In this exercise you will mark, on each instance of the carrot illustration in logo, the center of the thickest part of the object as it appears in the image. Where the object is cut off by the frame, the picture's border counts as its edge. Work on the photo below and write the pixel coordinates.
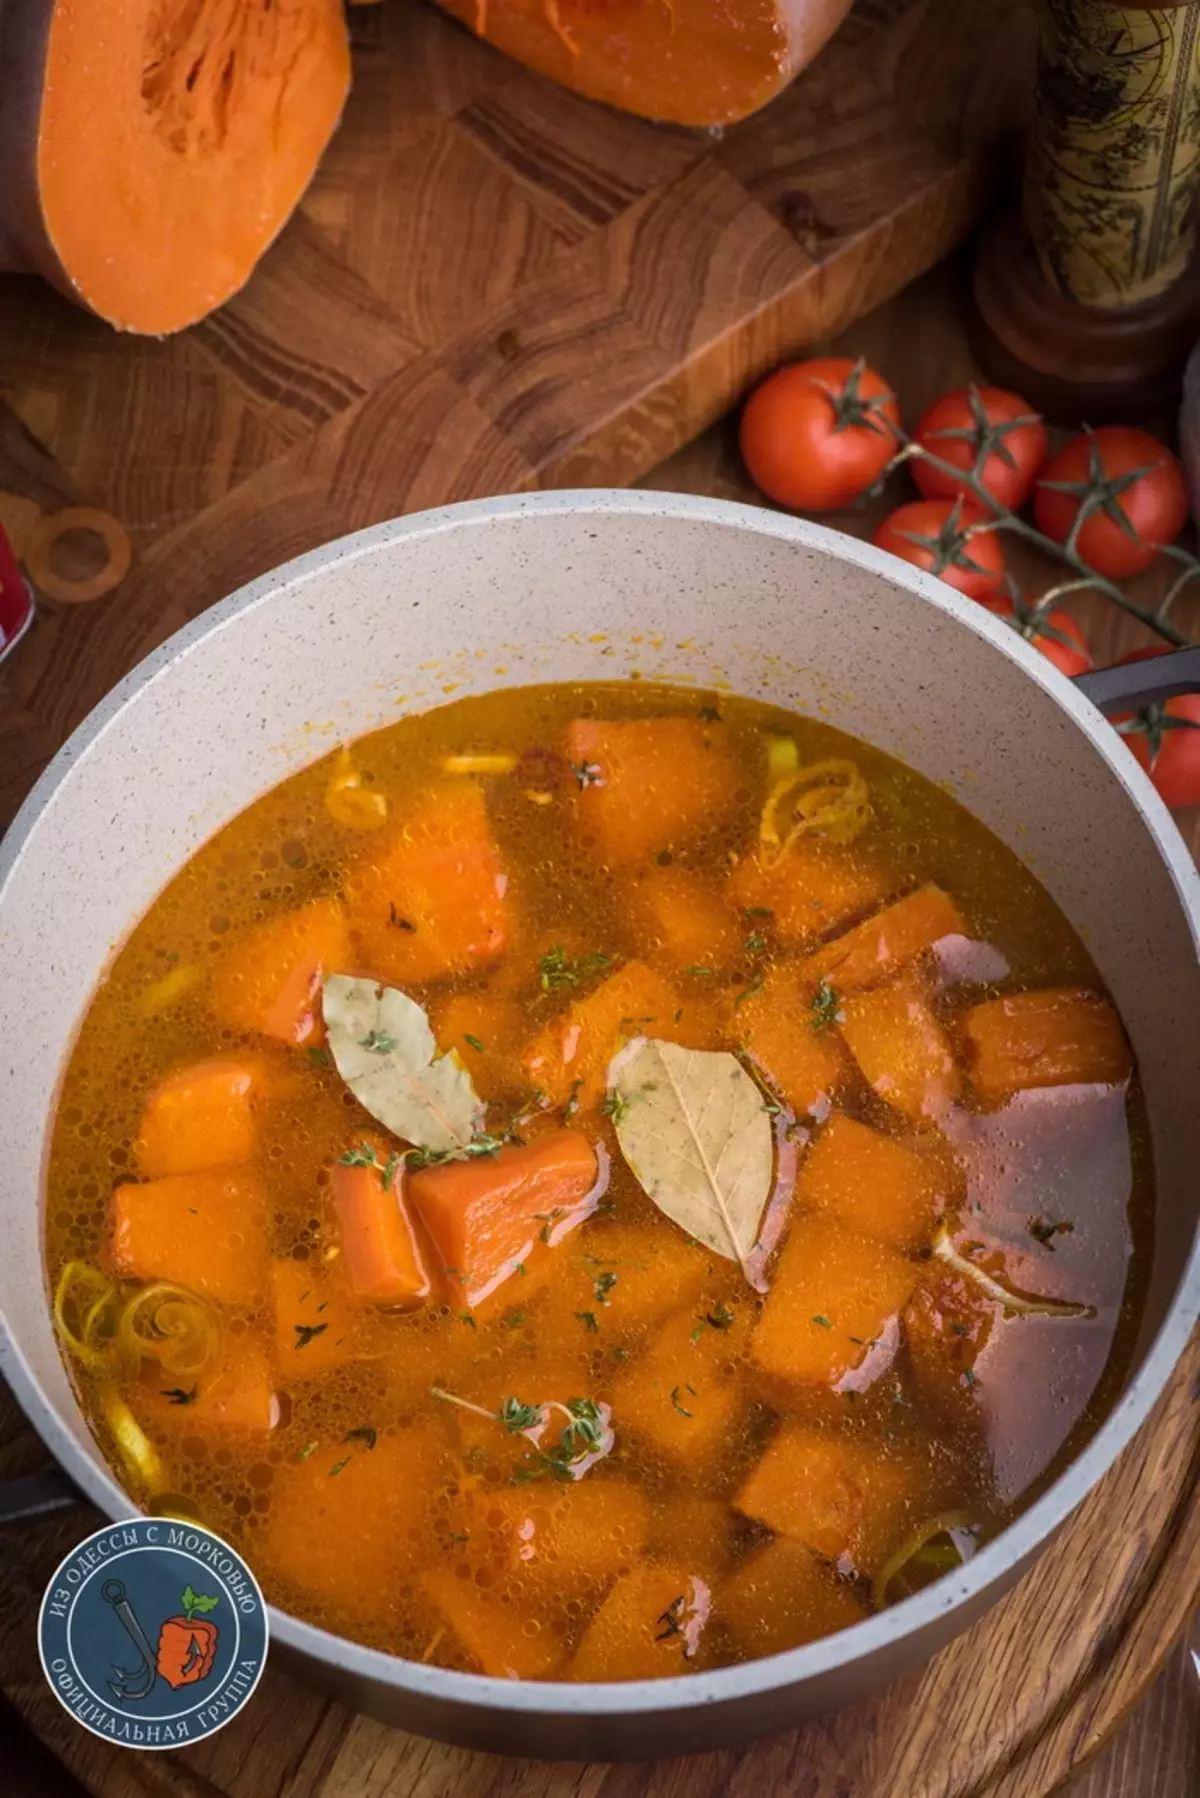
(186, 1647)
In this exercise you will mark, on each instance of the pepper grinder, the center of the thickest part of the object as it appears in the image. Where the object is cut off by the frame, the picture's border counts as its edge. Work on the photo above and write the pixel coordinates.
(1088, 294)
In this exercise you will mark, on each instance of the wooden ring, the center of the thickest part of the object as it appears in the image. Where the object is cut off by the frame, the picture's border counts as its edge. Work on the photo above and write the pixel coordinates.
(77, 518)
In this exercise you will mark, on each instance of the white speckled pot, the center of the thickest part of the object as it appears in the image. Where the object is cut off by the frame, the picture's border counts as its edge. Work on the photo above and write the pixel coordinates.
(598, 585)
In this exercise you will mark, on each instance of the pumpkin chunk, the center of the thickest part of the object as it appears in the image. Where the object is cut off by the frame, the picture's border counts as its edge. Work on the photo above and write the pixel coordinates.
(206, 1231)
(901, 1048)
(783, 1596)
(802, 1059)
(881, 946)
(650, 784)
(486, 1031)
(484, 1216)
(1065, 1036)
(693, 1529)
(587, 1531)
(629, 1278)
(269, 981)
(651, 1625)
(387, 1491)
(811, 890)
(834, 1296)
(198, 1117)
(848, 1499)
(681, 1396)
(871, 1183)
(492, 1633)
(683, 922)
(571, 1055)
(318, 1325)
(236, 1390)
(432, 901)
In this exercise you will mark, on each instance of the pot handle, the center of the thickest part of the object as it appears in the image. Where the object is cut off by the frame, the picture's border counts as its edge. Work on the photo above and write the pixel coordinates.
(37, 1495)
(1131, 684)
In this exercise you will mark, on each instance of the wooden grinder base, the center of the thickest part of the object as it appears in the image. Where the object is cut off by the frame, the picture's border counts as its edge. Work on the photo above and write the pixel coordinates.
(1008, 1711)
(1078, 364)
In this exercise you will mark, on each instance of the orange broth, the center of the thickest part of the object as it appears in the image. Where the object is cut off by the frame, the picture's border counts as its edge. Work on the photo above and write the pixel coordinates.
(499, 1412)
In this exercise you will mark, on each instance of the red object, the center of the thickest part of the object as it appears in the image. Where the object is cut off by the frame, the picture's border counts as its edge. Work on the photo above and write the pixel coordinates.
(815, 435)
(16, 601)
(1132, 476)
(1165, 738)
(186, 1650)
(961, 424)
(1054, 634)
(944, 537)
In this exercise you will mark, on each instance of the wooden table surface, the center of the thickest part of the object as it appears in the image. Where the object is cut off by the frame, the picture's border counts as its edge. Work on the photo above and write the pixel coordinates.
(919, 341)
(491, 284)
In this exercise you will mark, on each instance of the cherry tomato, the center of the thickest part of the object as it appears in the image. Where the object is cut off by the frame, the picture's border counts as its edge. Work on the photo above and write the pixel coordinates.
(974, 421)
(1054, 633)
(816, 435)
(941, 535)
(1165, 738)
(1103, 465)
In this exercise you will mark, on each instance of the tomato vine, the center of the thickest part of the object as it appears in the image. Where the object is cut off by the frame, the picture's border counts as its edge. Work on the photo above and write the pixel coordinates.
(1095, 495)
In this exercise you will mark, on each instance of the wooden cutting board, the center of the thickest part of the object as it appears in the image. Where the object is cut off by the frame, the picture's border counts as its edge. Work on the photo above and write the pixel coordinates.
(493, 284)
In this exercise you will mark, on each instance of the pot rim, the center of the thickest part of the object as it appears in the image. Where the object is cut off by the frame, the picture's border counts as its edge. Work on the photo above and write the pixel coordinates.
(1047, 1513)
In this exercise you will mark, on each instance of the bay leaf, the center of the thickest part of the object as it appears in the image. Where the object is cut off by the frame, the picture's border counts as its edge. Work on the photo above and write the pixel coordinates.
(694, 1129)
(386, 1052)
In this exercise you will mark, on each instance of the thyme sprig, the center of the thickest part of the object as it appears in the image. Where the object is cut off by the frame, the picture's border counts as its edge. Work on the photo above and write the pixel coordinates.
(585, 1439)
(558, 969)
(825, 1007)
(485, 1143)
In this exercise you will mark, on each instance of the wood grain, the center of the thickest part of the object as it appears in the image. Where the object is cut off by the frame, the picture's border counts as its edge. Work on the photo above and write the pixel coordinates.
(1157, 1755)
(647, 274)
(1005, 1712)
(992, 1717)
(492, 284)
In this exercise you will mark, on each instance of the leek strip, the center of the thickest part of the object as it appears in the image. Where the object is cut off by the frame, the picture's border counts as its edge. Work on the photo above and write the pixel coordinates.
(1016, 1302)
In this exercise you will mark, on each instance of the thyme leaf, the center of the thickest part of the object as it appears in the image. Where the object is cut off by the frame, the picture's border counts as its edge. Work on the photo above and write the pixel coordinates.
(825, 1008)
(557, 969)
(614, 1105)
(363, 1156)
(672, 1619)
